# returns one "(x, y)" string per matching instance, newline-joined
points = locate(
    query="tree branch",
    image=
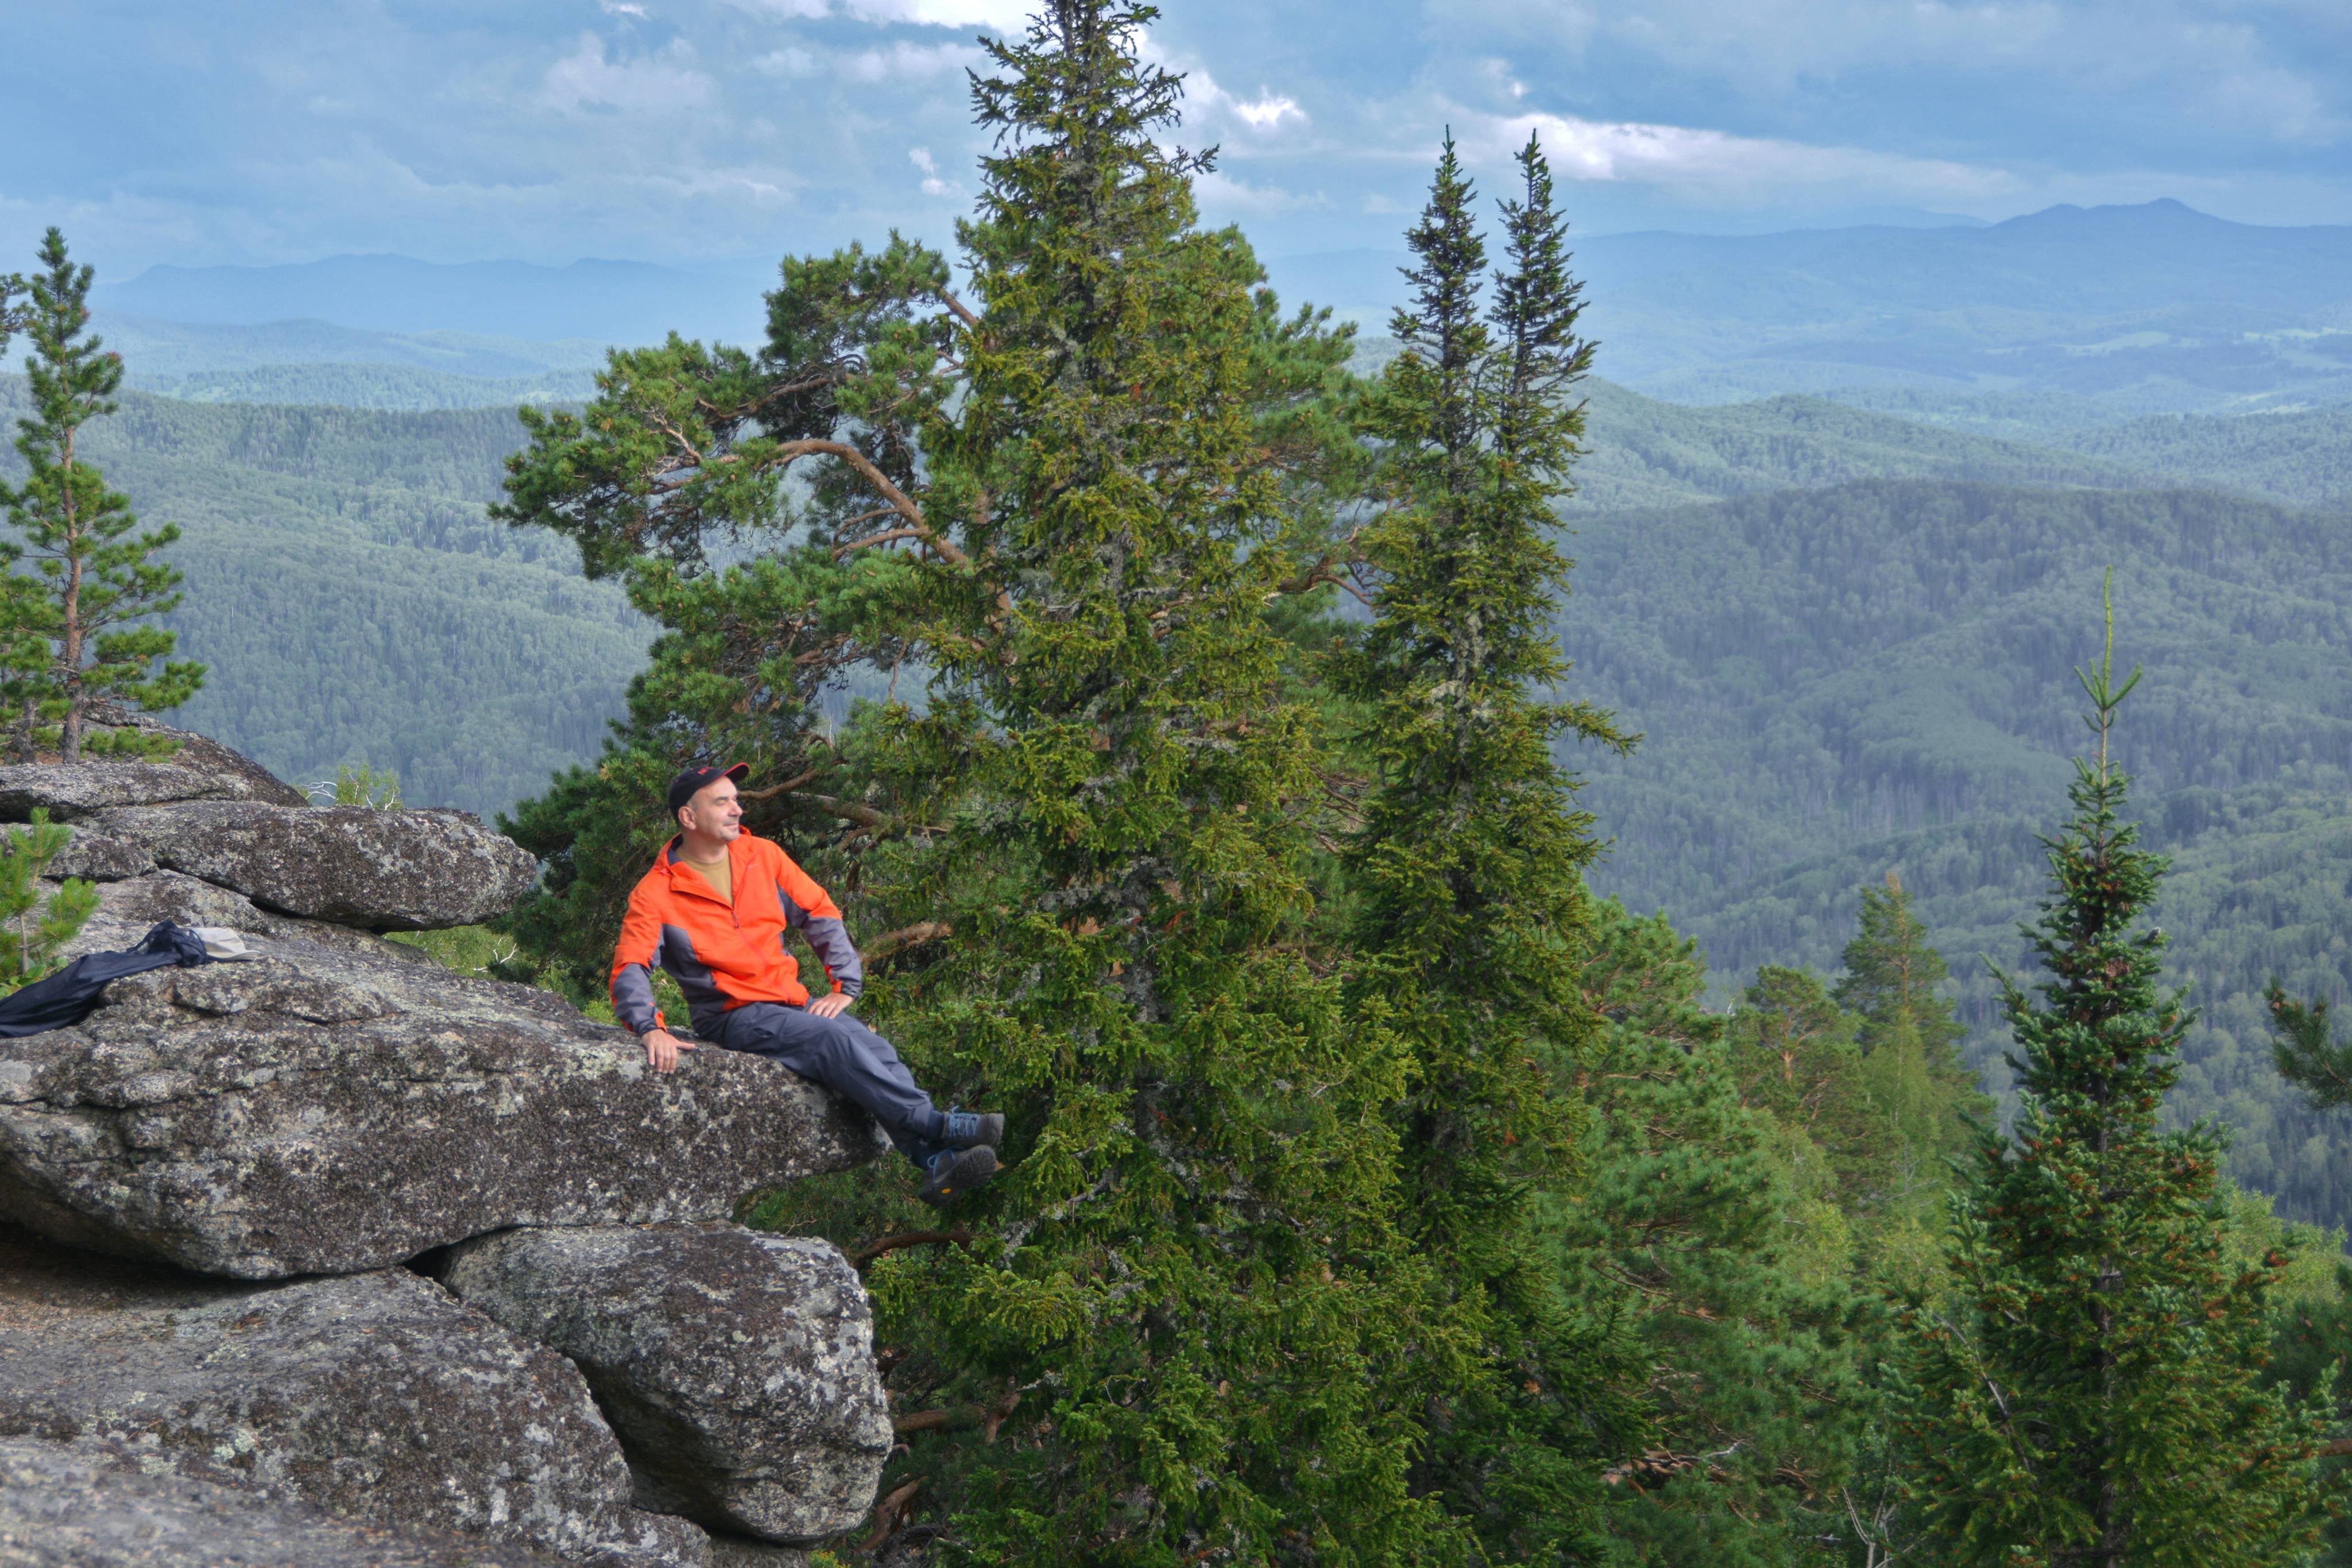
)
(890, 942)
(900, 502)
(887, 1512)
(847, 810)
(873, 1250)
(770, 791)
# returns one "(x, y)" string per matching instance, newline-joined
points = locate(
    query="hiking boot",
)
(969, 1129)
(952, 1171)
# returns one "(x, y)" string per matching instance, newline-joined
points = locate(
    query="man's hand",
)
(832, 1004)
(661, 1048)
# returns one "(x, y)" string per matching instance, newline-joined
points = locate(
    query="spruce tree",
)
(2093, 1393)
(73, 644)
(1891, 979)
(1190, 1275)
(1466, 876)
(2306, 1051)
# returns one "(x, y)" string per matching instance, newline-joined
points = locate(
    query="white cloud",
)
(1736, 169)
(789, 61)
(1003, 15)
(622, 8)
(905, 62)
(588, 79)
(920, 156)
(791, 10)
(1206, 102)
(1222, 194)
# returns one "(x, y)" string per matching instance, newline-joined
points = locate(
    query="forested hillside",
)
(1838, 674)
(397, 387)
(354, 605)
(2303, 457)
(1878, 677)
(1645, 452)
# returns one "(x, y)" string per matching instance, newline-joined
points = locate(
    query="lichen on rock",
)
(737, 1367)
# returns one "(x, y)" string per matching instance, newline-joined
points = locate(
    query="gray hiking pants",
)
(845, 1057)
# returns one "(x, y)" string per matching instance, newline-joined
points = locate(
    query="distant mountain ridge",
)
(611, 301)
(2126, 310)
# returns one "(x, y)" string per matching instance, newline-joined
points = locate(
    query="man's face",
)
(714, 813)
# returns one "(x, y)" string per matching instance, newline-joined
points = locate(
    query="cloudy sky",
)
(720, 131)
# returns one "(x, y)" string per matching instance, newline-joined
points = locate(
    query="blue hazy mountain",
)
(2120, 310)
(2082, 313)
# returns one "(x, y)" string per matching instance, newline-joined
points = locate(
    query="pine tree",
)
(72, 641)
(37, 920)
(1920, 1100)
(2093, 1395)
(1466, 876)
(1700, 1237)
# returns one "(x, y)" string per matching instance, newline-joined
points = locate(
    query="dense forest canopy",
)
(1876, 676)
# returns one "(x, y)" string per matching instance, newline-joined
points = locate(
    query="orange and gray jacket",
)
(721, 956)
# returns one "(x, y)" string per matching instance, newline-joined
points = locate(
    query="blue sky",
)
(718, 131)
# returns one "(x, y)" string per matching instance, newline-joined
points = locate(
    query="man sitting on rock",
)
(715, 912)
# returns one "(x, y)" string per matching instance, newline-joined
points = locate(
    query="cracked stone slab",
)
(201, 768)
(345, 1103)
(81, 1504)
(380, 870)
(373, 1397)
(737, 1367)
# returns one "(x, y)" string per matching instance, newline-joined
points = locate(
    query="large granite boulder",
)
(345, 1103)
(384, 871)
(737, 1367)
(376, 1396)
(77, 1505)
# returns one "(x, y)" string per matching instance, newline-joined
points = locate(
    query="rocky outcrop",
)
(336, 1108)
(75, 1505)
(375, 1396)
(383, 870)
(341, 1103)
(737, 1367)
(198, 769)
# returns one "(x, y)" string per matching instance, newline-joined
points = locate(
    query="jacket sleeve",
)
(633, 964)
(819, 922)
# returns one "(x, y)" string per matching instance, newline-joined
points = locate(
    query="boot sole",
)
(974, 1167)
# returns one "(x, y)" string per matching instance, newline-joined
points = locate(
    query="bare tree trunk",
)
(70, 650)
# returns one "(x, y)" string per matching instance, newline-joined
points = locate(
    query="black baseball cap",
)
(685, 787)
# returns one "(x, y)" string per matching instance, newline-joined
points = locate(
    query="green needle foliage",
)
(1471, 916)
(65, 639)
(2306, 1052)
(1193, 1273)
(2093, 1393)
(1740, 1404)
(35, 921)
